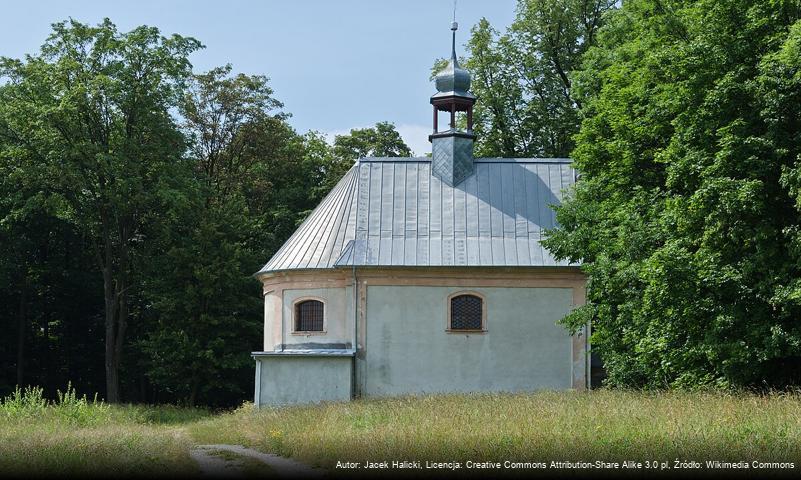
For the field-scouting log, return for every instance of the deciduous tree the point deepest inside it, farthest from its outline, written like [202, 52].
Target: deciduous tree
[686, 214]
[89, 117]
[523, 77]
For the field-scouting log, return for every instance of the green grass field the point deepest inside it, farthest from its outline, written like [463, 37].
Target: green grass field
[74, 435]
[79, 436]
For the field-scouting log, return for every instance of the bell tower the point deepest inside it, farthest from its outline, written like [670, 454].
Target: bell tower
[452, 149]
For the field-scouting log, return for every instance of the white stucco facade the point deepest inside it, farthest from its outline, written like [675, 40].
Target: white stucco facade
[392, 336]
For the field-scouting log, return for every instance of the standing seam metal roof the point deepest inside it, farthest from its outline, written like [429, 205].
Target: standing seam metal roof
[393, 212]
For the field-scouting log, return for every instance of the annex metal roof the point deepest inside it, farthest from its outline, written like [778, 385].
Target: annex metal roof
[393, 212]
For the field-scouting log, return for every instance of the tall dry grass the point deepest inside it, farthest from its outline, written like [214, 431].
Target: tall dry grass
[77, 436]
[605, 425]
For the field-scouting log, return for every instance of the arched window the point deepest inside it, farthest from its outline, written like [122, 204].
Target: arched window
[466, 312]
[309, 315]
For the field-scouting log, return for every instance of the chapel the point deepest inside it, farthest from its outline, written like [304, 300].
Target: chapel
[425, 275]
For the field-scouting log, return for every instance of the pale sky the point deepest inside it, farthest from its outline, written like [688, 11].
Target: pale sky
[336, 65]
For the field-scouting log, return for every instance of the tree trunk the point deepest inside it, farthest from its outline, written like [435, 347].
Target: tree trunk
[112, 379]
[22, 326]
[142, 390]
[47, 371]
[116, 305]
[193, 393]
[122, 324]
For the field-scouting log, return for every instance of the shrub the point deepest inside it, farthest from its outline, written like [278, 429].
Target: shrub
[24, 403]
[78, 409]
[69, 407]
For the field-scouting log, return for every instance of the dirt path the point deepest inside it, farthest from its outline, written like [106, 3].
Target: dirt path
[212, 464]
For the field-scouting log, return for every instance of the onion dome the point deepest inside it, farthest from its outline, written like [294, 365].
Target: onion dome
[453, 79]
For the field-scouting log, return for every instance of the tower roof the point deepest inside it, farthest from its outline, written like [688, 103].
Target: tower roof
[453, 80]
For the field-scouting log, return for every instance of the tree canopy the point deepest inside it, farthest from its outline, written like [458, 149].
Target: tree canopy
[522, 78]
[686, 214]
[137, 199]
[87, 122]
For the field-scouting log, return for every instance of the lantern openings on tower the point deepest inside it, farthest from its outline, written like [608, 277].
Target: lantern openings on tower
[452, 149]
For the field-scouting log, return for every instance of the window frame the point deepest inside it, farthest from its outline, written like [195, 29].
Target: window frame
[294, 319]
[448, 323]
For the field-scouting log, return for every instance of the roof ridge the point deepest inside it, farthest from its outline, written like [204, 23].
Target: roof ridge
[476, 160]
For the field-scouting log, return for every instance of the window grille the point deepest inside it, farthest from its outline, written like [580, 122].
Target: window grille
[309, 316]
[466, 312]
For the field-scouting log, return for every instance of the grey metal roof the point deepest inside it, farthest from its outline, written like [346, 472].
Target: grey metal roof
[393, 212]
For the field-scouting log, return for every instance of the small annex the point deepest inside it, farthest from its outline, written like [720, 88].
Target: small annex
[425, 275]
